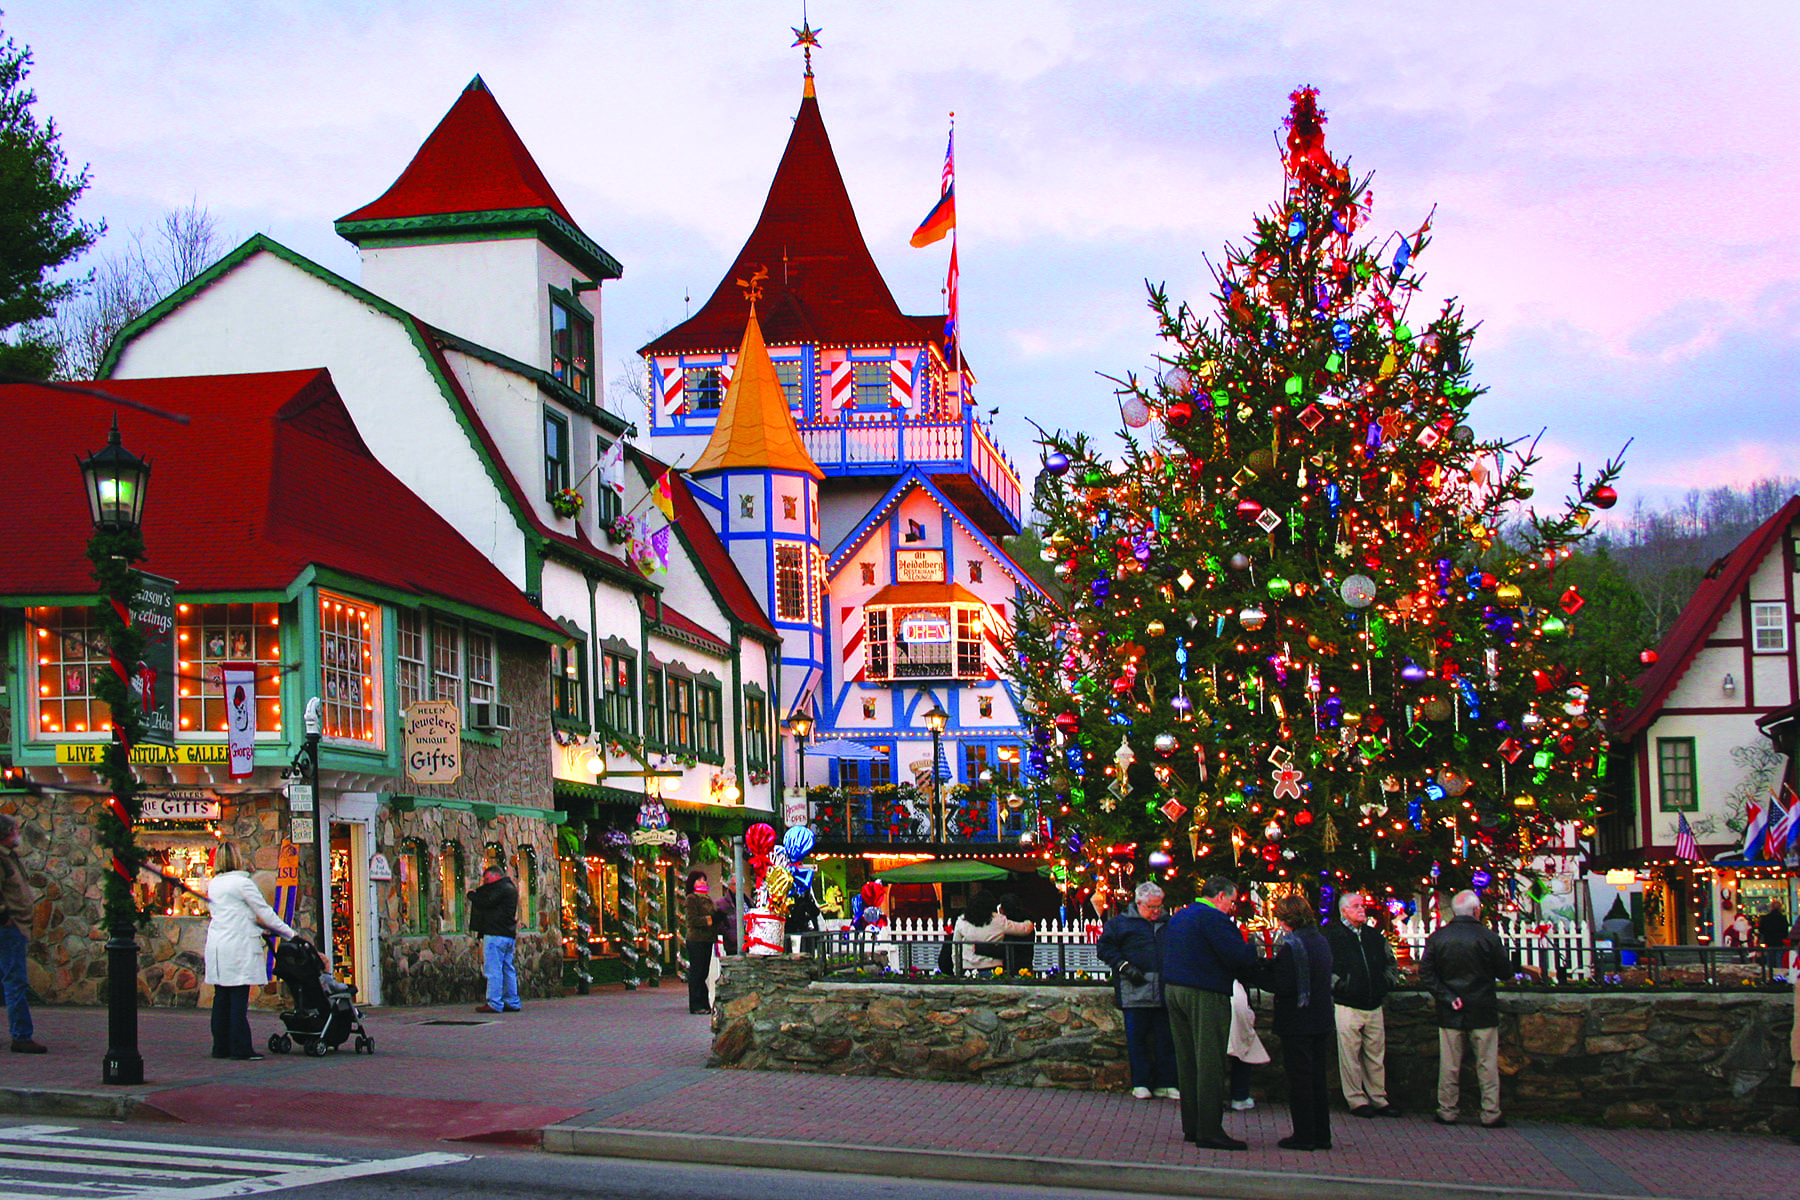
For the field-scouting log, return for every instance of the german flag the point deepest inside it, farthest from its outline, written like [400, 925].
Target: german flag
[938, 222]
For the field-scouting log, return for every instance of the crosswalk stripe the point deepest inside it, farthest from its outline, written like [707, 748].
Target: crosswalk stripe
[27, 1150]
[65, 1135]
[295, 1179]
[191, 1156]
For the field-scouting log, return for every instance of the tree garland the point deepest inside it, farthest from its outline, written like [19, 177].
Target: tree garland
[113, 554]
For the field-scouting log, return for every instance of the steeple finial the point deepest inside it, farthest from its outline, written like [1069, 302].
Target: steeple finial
[806, 37]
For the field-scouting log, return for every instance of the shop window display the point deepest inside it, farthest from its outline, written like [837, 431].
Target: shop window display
[211, 635]
[413, 876]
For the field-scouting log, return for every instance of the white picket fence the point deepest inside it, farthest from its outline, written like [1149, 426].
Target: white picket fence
[1543, 945]
[913, 942]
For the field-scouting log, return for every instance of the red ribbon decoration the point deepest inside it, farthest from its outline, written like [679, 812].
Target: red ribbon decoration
[118, 810]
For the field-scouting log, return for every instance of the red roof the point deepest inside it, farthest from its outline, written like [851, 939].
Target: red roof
[822, 287]
[735, 594]
[680, 623]
[1721, 587]
[472, 162]
[268, 477]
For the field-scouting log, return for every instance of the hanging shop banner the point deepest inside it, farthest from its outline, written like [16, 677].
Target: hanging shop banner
[240, 716]
[433, 741]
[287, 887]
[152, 676]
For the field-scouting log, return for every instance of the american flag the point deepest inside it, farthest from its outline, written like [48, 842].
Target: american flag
[949, 159]
[1685, 846]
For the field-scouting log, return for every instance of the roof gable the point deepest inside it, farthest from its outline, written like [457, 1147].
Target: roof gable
[474, 161]
[879, 513]
[267, 478]
[431, 344]
[1701, 615]
[823, 287]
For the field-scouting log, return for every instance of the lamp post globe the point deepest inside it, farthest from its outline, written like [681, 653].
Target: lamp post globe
[114, 480]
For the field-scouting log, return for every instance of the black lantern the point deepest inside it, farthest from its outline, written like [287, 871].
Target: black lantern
[936, 718]
[800, 725]
[115, 479]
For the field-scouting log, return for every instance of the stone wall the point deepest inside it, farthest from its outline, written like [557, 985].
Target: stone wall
[1690, 1060]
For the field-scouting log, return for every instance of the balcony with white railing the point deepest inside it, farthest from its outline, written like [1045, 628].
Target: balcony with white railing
[886, 443]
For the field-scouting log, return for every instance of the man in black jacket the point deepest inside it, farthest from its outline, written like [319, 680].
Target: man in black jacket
[493, 917]
[1131, 944]
[1463, 961]
[1362, 962]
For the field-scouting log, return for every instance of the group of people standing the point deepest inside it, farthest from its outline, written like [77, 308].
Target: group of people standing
[1175, 978]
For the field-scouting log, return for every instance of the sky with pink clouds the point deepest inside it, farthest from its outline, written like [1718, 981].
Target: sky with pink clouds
[1614, 182]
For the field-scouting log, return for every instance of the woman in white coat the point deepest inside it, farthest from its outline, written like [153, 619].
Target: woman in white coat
[236, 958]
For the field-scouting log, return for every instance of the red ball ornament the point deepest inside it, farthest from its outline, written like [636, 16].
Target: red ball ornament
[1180, 413]
[1647, 657]
[1603, 497]
[1067, 722]
[1303, 817]
[1249, 509]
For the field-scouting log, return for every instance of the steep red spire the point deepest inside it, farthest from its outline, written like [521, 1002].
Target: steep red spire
[472, 162]
[823, 287]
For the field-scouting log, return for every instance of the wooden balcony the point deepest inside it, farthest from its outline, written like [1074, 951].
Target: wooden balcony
[960, 455]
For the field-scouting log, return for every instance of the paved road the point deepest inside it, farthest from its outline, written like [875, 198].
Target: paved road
[623, 1076]
[93, 1161]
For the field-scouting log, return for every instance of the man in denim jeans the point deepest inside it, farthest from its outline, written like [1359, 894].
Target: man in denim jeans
[16, 904]
[493, 916]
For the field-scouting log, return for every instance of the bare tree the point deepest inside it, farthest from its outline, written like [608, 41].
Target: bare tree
[125, 285]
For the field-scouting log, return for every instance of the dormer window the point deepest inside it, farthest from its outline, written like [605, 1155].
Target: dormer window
[704, 392]
[871, 386]
[572, 347]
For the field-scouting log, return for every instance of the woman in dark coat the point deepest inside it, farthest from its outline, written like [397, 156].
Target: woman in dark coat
[702, 922]
[1299, 977]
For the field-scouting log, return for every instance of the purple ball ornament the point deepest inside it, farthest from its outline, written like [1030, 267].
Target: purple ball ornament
[1057, 464]
[1480, 880]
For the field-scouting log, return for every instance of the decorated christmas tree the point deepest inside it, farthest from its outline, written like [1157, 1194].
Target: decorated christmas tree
[1314, 631]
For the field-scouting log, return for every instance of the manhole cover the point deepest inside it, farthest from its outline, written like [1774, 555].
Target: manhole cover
[452, 1022]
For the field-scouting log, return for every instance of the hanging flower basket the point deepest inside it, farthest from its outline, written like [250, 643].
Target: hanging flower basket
[567, 502]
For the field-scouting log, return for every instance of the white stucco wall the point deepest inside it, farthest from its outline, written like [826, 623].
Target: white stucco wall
[268, 315]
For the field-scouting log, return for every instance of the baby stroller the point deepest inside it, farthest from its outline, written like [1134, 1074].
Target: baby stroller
[325, 1011]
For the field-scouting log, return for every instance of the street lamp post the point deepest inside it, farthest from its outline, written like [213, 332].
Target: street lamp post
[800, 725]
[937, 718]
[115, 479]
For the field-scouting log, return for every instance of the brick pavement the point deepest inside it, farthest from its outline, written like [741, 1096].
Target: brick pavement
[624, 1073]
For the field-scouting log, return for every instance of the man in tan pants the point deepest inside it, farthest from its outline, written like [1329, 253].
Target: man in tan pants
[1463, 961]
[1363, 968]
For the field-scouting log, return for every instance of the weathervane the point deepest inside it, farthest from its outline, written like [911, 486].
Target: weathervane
[808, 37]
[753, 285]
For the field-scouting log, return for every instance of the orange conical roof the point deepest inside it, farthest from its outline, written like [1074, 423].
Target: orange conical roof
[755, 429]
[823, 287]
[472, 162]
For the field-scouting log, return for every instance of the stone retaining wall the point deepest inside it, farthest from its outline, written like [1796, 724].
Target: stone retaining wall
[1691, 1060]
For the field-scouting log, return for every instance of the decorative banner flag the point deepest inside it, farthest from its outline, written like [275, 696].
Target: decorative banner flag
[287, 888]
[951, 333]
[659, 543]
[663, 495]
[1755, 826]
[614, 454]
[1685, 846]
[240, 716]
[938, 222]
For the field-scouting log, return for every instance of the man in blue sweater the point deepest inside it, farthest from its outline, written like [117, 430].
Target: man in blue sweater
[1203, 952]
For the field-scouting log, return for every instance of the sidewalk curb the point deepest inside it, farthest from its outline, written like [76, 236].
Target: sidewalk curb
[1222, 1182]
[55, 1102]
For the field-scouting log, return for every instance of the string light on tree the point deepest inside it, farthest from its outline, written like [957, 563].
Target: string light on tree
[1293, 577]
